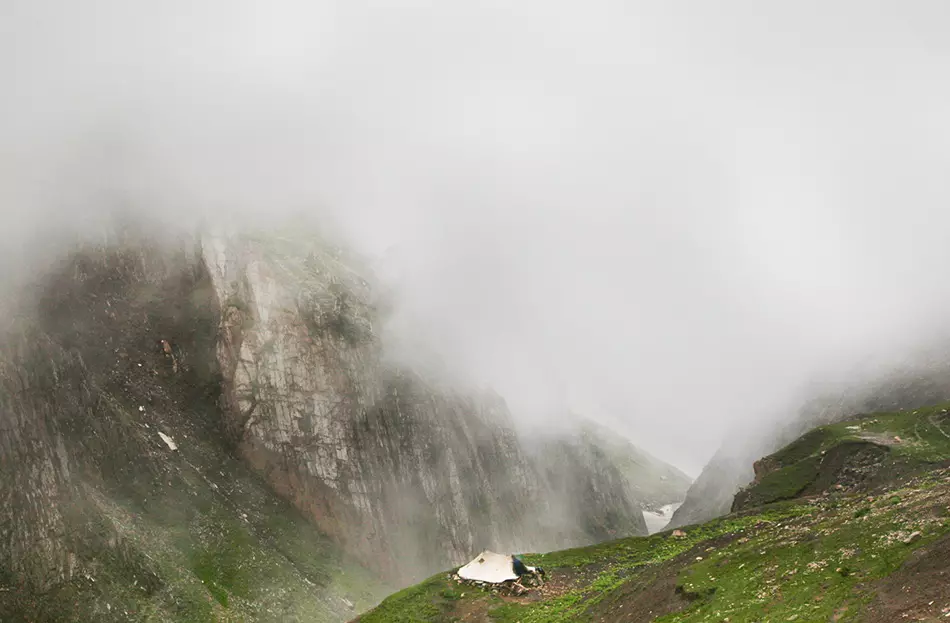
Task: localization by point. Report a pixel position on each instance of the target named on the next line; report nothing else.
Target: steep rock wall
(261, 353)
(393, 466)
(102, 518)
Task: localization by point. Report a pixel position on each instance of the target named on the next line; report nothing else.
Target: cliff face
(120, 500)
(162, 404)
(391, 465)
(712, 493)
(617, 481)
(652, 482)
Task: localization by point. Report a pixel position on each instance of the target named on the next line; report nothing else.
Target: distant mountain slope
(653, 481)
(712, 493)
(845, 535)
(924, 383)
(613, 467)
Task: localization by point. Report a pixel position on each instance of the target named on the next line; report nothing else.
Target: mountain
(119, 497)
(712, 493)
(850, 522)
(925, 382)
(209, 427)
(653, 481)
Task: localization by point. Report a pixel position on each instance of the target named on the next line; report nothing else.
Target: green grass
(422, 603)
(223, 564)
(620, 558)
(795, 560)
(812, 567)
(426, 603)
(905, 441)
(922, 440)
(808, 561)
(785, 483)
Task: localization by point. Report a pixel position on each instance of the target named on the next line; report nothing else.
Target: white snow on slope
(657, 521)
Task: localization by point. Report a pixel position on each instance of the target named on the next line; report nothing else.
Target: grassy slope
(899, 443)
(804, 559)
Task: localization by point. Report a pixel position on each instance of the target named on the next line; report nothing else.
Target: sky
(666, 216)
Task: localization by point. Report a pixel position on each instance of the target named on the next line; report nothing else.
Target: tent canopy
(489, 567)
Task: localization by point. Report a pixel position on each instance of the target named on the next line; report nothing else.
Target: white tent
(489, 567)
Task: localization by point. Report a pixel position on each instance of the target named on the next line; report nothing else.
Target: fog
(666, 216)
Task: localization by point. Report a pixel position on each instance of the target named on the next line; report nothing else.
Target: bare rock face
(602, 481)
(34, 477)
(120, 498)
(712, 493)
(390, 464)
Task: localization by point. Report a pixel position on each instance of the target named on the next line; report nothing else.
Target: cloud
(672, 216)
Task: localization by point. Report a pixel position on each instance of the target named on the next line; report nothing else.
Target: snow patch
(657, 521)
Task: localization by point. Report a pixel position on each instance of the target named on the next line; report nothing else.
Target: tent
(495, 568)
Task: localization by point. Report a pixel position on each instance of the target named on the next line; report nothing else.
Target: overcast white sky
(666, 214)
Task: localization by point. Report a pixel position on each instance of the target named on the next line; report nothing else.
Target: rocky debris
(168, 441)
(509, 588)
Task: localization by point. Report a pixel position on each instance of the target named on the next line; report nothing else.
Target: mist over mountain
(592, 206)
(399, 266)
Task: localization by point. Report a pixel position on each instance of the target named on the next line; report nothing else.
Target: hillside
(851, 522)
(896, 387)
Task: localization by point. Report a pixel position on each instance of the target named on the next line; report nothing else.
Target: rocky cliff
(163, 403)
(120, 498)
(612, 467)
(391, 465)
